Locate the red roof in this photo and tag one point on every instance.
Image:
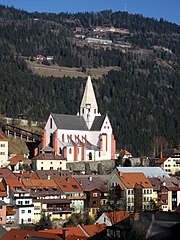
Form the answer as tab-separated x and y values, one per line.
27	175
94	229
68	185
76	231
3	192
161	161
6	173
15	185
16	234
17	158
117	216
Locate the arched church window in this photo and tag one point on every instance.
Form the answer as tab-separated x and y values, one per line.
70	151
90	156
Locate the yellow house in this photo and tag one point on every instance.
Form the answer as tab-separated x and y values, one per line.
48	161
3	151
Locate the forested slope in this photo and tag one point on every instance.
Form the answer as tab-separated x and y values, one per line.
142	99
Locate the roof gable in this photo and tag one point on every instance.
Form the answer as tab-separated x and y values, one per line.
97	123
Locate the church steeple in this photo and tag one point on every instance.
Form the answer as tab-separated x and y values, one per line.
89	107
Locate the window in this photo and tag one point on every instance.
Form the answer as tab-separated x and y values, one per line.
95	194
51	162
50	122
51	168
29	211
70	151
26	202
22	211
41	168
60	162
2	153
62	137
1	206
0	219
29	219
94	111
2	145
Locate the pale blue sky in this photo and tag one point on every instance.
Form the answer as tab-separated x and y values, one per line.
166	9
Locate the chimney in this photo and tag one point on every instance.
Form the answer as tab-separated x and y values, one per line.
49	177
90	178
135	216
64	233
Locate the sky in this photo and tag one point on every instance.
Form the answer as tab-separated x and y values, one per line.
167	9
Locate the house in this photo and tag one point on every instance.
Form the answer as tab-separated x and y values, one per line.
96	193
48	161
166	193
169	161
110	218
73	191
19	197
134	191
2	212
87	136
42	190
3	151
16	162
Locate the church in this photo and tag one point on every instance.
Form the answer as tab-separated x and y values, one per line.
87	136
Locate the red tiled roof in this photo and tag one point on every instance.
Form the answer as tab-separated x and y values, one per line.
129	179
16	234
6	173
27	175
39	183
68	184
3	138
3	192
14	183
73	237
76	231
161	161
117	216
94	229
17	158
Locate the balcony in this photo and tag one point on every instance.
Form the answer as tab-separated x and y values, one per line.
58	209
76	197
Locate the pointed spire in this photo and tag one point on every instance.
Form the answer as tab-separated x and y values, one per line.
89	96
89	107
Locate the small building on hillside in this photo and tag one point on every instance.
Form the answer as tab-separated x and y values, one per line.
3	151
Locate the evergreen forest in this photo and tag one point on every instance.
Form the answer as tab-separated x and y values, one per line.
141	98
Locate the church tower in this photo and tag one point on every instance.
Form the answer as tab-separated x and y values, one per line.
89	108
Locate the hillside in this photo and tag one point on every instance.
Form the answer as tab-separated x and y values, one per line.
139	89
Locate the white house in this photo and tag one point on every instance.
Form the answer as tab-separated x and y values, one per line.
20	197
3	151
87	136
